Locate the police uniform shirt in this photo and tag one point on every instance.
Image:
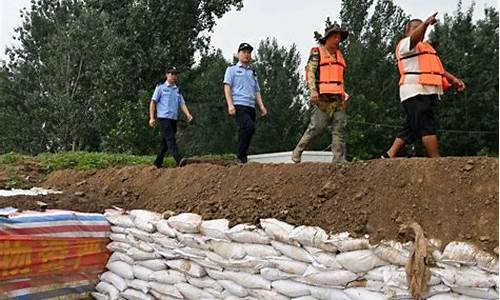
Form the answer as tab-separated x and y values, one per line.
243	82
168	100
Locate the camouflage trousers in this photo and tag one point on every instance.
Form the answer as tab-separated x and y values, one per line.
320	120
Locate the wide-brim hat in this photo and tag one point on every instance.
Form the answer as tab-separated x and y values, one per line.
330	30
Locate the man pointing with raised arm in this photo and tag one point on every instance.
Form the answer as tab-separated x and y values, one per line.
423	80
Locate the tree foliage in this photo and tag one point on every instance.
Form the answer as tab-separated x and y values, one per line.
84	72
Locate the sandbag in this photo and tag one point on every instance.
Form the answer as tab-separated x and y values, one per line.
141	245
362	294
119	256
185	222
138	254
108	289
250	264
259	250
288	265
380	273
304	298
216	274
131	294
168	277
165	253
99	296
165	289
398	278
215	229
118	246
276	230
188	267
249	281
233	288
359	260
141	272
460	252
392	252
328	294
294	252
308	235
486	261
207	263
451	296
436	289
245	233
115	280
165	241
118	237
371	285
165	229
191	292
138	284
465	277
145	220
343	242
118	229
267	295
121	269
205	282
160	296
215	293
227	249
153	264
190	253
291	288
325	261
272	274
120	220
338	278
194	241
140	234
482	293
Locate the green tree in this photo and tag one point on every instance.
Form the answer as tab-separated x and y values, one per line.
84	73
213	131
282	89
469	50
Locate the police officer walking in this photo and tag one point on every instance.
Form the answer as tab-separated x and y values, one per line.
242	92
325	80
164	110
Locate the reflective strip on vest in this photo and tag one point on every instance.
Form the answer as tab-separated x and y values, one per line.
331	72
430	69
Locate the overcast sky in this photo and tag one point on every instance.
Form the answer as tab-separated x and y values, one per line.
290	21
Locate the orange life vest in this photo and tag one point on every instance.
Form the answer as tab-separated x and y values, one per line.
331	72
430	72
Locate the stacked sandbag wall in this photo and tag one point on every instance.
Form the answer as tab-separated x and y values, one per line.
184	257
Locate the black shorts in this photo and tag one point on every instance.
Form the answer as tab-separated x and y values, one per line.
419	121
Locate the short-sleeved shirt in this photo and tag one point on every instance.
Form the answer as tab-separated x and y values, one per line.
244	84
168	100
412	88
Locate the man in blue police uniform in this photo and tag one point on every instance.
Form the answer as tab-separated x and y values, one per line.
164	110
242	91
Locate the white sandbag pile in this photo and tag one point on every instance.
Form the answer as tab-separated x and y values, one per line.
184	257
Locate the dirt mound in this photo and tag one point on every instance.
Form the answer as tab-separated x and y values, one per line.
451	198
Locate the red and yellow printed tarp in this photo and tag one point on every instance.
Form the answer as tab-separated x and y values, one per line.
54	254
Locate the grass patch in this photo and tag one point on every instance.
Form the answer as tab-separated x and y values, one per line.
83	161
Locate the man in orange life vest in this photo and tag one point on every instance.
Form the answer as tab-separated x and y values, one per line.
423	80
325	79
